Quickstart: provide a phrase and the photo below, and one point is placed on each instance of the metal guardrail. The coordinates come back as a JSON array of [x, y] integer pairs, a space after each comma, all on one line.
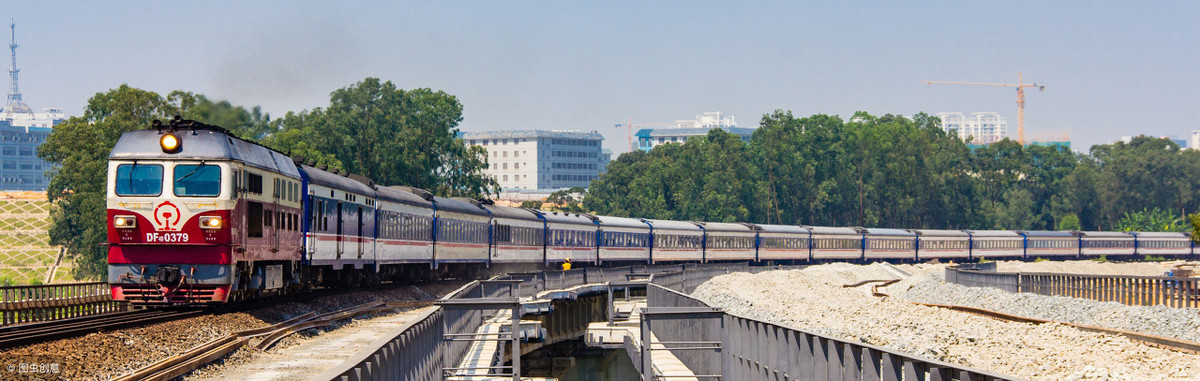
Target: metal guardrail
[[28, 304], [418, 351], [719, 345], [755, 350], [1010, 282], [1178, 292]]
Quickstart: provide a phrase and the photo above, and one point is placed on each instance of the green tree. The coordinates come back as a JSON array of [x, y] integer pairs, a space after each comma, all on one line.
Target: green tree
[[1144, 173], [1152, 220], [567, 200], [250, 124], [708, 178], [79, 148], [392, 136], [1069, 222], [531, 204]]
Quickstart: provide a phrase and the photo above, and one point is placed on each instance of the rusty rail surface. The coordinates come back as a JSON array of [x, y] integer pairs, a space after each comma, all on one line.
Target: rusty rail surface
[[1153, 340], [30, 304], [1177, 292]]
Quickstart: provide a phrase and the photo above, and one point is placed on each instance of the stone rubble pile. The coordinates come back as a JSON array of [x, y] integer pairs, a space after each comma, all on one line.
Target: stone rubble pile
[[813, 300]]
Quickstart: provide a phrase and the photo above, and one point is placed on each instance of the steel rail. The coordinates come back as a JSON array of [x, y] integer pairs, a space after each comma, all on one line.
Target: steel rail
[[25, 334], [856, 284], [202, 354], [1153, 340]]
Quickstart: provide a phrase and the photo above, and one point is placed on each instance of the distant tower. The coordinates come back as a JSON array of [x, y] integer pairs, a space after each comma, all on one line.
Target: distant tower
[[15, 105]]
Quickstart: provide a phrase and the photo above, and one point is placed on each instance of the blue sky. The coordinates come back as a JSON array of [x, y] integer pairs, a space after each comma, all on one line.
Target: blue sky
[[1110, 68]]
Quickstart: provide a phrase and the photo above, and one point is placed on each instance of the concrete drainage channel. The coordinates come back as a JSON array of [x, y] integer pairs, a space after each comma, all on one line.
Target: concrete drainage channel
[[642, 310]]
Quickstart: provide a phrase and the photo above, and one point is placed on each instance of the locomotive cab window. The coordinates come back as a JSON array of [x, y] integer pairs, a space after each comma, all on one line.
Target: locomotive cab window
[[192, 180], [254, 219], [139, 180]]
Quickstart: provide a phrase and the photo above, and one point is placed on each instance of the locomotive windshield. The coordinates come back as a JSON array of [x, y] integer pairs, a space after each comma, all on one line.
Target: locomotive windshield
[[139, 180], [192, 180]]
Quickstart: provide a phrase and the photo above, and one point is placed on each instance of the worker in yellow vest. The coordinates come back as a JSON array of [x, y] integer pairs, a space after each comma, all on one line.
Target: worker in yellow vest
[[566, 265]]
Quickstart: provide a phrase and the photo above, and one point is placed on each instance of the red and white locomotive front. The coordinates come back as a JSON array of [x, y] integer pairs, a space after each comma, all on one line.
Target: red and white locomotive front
[[169, 219]]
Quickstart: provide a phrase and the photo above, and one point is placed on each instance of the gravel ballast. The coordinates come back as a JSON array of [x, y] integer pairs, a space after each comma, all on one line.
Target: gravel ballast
[[105, 355], [1178, 323], [814, 300]]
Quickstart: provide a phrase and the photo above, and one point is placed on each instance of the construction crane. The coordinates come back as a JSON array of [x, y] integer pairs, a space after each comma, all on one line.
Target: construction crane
[[1020, 85], [629, 129]]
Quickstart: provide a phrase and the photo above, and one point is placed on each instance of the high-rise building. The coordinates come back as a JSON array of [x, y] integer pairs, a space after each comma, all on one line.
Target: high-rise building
[[1194, 143], [649, 138], [978, 129], [21, 132], [538, 159]]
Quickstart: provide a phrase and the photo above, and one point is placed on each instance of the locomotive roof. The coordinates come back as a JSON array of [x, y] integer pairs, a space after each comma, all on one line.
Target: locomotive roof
[[458, 205], [202, 145], [940, 233], [512, 213], [621, 222], [782, 229], [726, 227], [674, 225], [401, 197], [329, 179]]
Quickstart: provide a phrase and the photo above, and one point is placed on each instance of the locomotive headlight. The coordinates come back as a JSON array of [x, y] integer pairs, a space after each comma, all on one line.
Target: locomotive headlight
[[169, 143], [210, 222], [124, 222]]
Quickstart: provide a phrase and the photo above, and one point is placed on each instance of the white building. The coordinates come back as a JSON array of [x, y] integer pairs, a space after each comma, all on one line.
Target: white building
[[538, 159], [649, 138], [979, 128], [1194, 143], [1182, 143]]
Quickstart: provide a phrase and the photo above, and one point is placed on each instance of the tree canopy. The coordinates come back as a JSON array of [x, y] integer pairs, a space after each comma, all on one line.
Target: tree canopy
[[391, 135]]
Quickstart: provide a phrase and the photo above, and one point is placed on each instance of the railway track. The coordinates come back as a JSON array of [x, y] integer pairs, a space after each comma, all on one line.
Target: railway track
[[202, 354], [1152, 340], [25, 334], [12, 336]]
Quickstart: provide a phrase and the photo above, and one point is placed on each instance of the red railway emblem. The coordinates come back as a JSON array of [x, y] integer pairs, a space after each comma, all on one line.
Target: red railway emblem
[[163, 215]]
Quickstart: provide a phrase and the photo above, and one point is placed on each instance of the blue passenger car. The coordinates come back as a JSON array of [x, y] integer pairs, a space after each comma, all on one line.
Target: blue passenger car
[[728, 241], [676, 241], [623, 239], [783, 243], [1050, 243], [570, 235], [943, 244], [836, 243], [462, 231], [996, 244], [889, 244]]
